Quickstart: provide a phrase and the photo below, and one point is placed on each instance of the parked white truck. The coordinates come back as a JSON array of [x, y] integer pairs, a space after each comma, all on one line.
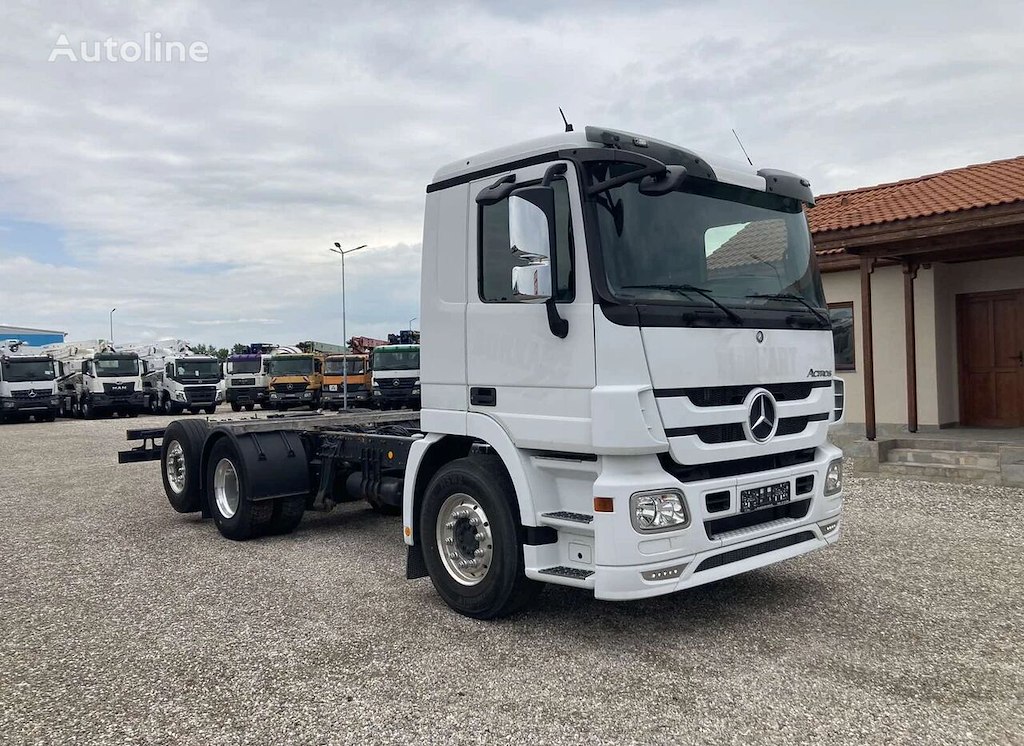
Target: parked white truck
[[96, 379], [28, 383], [627, 386], [176, 379]]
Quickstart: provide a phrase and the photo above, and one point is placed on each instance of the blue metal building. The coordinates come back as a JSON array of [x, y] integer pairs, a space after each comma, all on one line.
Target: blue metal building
[[31, 337]]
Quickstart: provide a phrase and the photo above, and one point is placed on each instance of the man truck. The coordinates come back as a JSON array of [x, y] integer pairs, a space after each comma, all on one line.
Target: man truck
[[616, 396], [28, 384], [94, 379]]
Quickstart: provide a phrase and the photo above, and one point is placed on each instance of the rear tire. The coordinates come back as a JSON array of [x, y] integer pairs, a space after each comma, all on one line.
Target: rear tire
[[183, 445], [236, 407], [486, 577], [287, 514], [236, 516]]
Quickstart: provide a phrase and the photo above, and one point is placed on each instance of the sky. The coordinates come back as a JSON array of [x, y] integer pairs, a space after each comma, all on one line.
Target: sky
[[200, 197]]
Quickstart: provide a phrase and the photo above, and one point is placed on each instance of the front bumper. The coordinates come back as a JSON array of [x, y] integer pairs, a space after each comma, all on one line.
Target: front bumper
[[627, 564], [38, 404], [136, 400], [293, 399], [246, 395], [386, 395], [337, 397]]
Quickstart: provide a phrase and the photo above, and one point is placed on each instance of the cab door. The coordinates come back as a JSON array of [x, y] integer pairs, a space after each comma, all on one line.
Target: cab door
[[535, 384]]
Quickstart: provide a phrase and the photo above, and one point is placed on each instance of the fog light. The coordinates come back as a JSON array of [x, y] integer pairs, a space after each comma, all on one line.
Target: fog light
[[827, 528], [667, 573], [662, 510], [834, 477]]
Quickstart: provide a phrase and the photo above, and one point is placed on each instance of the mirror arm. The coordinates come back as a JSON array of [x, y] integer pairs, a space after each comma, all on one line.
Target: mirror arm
[[558, 326], [555, 169], [497, 191]]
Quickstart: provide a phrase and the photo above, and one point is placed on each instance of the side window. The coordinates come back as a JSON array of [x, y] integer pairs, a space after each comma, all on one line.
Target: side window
[[842, 335], [496, 259]]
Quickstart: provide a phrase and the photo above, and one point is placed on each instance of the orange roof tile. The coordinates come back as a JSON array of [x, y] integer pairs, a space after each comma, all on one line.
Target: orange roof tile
[[970, 187]]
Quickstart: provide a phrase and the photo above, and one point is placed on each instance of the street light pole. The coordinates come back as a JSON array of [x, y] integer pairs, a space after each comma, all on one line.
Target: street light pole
[[112, 323], [412, 320], [344, 331]]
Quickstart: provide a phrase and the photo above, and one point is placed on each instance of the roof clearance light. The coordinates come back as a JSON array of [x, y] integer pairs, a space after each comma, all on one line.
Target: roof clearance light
[[640, 142]]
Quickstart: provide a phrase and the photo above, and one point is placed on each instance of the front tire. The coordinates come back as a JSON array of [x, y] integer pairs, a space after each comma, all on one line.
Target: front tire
[[88, 411], [237, 517], [180, 468], [210, 409], [236, 407], [469, 529]]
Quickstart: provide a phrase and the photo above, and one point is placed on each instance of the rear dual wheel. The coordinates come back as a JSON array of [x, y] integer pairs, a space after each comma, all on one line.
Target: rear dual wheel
[[180, 461], [237, 516]]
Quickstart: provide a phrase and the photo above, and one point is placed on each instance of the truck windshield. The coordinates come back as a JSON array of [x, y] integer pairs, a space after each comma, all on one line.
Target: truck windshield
[[108, 367], [396, 360], [743, 248], [243, 366], [22, 371], [187, 368], [351, 367], [291, 366]]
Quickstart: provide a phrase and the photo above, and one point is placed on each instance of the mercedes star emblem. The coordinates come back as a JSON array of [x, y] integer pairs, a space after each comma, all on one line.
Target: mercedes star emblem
[[759, 337], [761, 420]]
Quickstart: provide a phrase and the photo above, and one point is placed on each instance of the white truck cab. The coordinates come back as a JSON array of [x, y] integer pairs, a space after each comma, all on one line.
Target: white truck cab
[[638, 334], [94, 379], [395, 376], [28, 383]]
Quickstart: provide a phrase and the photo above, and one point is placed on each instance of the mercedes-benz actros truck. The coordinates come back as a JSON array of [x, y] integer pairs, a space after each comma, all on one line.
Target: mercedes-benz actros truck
[[626, 377], [28, 383]]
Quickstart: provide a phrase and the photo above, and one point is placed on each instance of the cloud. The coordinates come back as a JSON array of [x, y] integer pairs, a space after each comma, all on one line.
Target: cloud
[[211, 191]]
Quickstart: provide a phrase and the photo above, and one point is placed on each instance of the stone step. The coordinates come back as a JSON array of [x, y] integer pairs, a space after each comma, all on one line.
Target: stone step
[[941, 472], [948, 444], [945, 457]]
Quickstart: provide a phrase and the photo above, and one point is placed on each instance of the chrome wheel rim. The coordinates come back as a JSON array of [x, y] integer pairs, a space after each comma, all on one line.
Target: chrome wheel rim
[[464, 539], [174, 467], [225, 488]]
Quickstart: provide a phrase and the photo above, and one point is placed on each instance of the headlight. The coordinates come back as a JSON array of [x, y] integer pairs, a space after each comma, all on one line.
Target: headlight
[[333, 387], [662, 510], [415, 389], [834, 477], [180, 395], [273, 394], [307, 394]]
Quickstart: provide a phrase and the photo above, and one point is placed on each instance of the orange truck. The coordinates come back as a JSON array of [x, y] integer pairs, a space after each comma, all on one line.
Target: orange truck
[[346, 381]]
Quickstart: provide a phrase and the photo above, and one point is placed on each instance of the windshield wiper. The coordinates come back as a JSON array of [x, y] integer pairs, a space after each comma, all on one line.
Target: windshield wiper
[[686, 288], [799, 299]]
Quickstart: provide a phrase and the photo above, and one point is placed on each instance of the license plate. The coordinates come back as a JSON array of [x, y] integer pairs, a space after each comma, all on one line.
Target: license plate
[[763, 497]]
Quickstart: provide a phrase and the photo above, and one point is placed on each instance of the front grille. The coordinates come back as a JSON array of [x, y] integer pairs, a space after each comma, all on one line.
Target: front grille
[[397, 383], [31, 394], [724, 396], [756, 517], [737, 555], [732, 432], [119, 389], [243, 381], [201, 394], [736, 467], [289, 388]]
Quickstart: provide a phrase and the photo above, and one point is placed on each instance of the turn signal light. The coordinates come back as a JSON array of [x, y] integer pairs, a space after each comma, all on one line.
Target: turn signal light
[[604, 505]]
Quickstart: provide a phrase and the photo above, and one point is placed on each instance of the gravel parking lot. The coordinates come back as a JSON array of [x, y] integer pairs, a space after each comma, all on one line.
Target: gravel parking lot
[[123, 622]]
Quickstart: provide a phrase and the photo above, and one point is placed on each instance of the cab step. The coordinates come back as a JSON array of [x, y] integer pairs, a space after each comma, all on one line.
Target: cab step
[[561, 571], [565, 515]]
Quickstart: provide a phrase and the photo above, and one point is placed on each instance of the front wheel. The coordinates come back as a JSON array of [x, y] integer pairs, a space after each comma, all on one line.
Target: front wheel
[[88, 411], [469, 529], [237, 517], [236, 407], [210, 409]]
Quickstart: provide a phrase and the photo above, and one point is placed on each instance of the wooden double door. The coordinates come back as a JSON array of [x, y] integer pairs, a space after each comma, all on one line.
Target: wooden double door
[[990, 331]]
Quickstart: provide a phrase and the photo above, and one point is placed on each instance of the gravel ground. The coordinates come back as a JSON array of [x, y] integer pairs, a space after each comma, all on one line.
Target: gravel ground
[[123, 622]]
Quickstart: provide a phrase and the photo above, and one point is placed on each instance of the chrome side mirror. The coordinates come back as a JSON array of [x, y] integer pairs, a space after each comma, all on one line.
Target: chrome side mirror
[[531, 235]]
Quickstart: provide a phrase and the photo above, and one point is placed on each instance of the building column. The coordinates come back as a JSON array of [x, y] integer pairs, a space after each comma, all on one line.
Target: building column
[[909, 275], [867, 266]]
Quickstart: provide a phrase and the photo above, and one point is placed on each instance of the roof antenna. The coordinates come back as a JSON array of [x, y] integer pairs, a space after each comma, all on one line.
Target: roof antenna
[[568, 127], [742, 148]]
